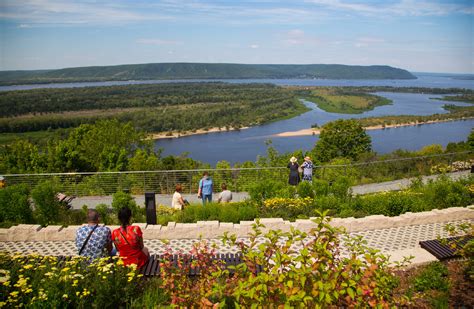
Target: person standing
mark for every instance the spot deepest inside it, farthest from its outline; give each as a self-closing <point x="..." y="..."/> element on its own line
<point x="128" y="240"/>
<point x="225" y="196"/>
<point x="92" y="240"/>
<point x="307" y="167"/>
<point x="294" y="177"/>
<point x="205" y="188"/>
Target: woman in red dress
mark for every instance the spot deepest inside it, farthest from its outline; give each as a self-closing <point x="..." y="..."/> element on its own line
<point x="129" y="240"/>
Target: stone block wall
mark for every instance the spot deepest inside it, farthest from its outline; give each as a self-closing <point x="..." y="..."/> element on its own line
<point x="213" y="229"/>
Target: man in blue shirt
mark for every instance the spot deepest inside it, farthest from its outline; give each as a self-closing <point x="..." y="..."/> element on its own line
<point x="99" y="243"/>
<point x="205" y="188"/>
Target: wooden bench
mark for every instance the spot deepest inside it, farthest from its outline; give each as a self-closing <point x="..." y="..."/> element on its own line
<point x="443" y="249"/>
<point x="152" y="268"/>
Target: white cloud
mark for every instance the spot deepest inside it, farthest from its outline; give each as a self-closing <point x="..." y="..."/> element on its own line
<point x="401" y="8"/>
<point x="158" y="42"/>
<point x="72" y="12"/>
<point x="254" y="46"/>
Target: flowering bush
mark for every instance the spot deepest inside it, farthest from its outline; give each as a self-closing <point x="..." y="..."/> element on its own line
<point x="453" y="167"/>
<point x="40" y="281"/>
<point x="287" y="207"/>
<point x="315" y="275"/>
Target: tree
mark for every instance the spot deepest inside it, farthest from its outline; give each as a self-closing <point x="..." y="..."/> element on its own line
<point x="342" y="138"/>
<point x="470" y="140"/>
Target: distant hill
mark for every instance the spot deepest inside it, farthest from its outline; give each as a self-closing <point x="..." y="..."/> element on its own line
<point x="204" y="71"/>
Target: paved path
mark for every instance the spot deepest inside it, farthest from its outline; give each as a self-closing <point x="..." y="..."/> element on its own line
<point x="165" y="199"/>
<point x="396" y="242"/>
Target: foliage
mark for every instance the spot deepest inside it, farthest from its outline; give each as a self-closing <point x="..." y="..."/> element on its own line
<point x="263" y="190"/>
<point x="121" y="199"/>
<point x="15" y="205"/>
<point x="433" y="277"/>
<point x="466" y="251"/>
<point x="151" y="107"/>
<point x="41" y="282"/>
<point x="342" y="138"/>
<point x="432" y="282"/>
<point x="226" y="212"/>
<point x="344" y="100"/>
<point x="47" y="207"/>
<point x="203" y="71"/>
<point x="287" y="208"/>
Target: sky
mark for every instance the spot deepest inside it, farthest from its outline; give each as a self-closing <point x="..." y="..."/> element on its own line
<point x="419" y="36"/>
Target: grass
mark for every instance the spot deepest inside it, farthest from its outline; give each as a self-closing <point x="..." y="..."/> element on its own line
<point x="335" y="100"/>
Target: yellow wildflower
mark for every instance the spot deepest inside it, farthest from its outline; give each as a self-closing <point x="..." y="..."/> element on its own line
<point x="14" y="294"/>
<point x="29" y="266"/>
<point x="65" y="296"/>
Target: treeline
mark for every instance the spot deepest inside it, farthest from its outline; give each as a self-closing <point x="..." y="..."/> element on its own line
<point x="108" y="145"/>
<point x="455" y="112"/>
<point x="369" y="89"/>
<point x="162" y="71"/>
<point x="152" y="108"/>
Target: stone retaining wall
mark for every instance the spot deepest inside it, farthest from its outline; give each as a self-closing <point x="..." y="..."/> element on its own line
<point x="213" y="229"/>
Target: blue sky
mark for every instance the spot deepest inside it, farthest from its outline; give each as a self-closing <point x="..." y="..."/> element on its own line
<point x="420" y="36"/>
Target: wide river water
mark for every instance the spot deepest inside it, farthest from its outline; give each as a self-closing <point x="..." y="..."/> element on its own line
<point x="246" y="145"/>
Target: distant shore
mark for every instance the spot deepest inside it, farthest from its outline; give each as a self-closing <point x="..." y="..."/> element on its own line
<point x="163" y="135"/>
<point x="312" y="131"/>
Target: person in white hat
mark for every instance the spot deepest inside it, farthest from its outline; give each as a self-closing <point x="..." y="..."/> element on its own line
<point x="307" y="167"/>
<point x="294" y="177"/>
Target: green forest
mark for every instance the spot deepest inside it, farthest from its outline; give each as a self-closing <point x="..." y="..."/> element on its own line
<point x="203" y="71"/>
<point x="152" y="108"/>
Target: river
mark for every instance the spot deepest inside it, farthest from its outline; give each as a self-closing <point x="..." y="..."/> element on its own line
<point x="246" y="145"/>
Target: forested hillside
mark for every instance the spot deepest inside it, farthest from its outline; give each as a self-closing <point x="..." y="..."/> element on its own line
<point x="203" y="71"/>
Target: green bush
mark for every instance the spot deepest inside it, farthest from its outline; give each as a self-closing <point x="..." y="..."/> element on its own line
<point x="48" y="210"/>
<point x="15" y="206"/>
<point x="433" y="277"/>
<point x="315" y="276"/>
<point x="227" y="212"/>
<point x="320" y="187"/>
<point x="341" y="187"/>
<point x="121" y="199"/>
<point x="105" y="214"/>
<point x="305" y="189"/>
<point x="263" y="190"/>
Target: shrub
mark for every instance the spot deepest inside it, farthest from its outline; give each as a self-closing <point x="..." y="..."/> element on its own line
<point x="47" y="207"/>
<point x="264" y="190"/>
<point x="320" y="187"/>
<point x="105" y="214"/>
<point x="314" y="276"/>
<point x="433" y="277"/>
<point x="287" y="208"/>
<point x="14" y="205"/>
<point x="341" y="187"/>
<point x="122" y="199"/>
<point x="227" y="212"/>
<point x="305" y="189"/>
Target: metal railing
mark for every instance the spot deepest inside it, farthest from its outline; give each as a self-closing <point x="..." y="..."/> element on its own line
<point x="237" y="179"/>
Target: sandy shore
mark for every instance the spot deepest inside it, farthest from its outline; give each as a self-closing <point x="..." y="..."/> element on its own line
<point x="312" y="131"/>
<point x="188" y="133"/>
